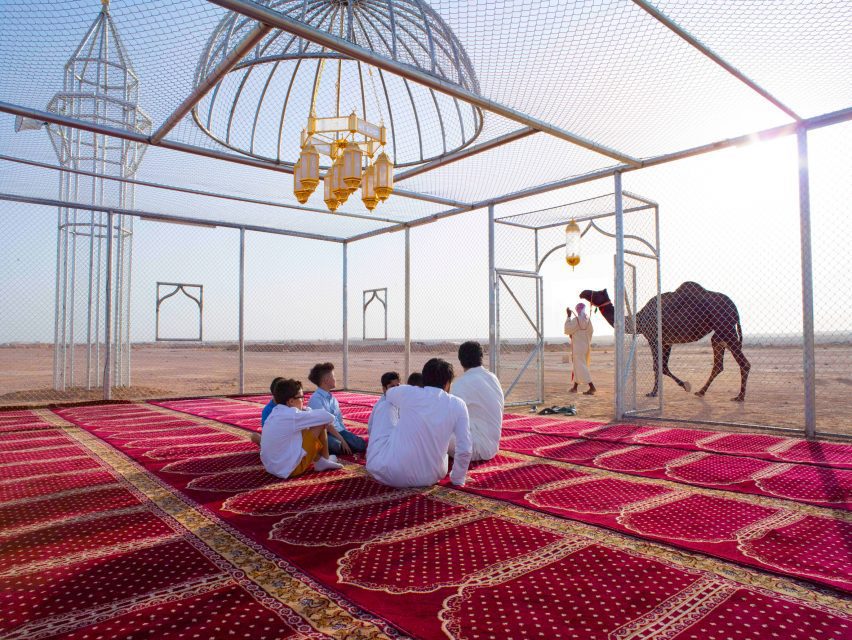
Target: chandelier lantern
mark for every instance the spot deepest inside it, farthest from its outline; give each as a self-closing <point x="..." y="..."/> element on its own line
<point x="384" y="177"/>
<point x="309" y="159"/>
<point x="330" y="200"/>
<point x="368" y="188"/>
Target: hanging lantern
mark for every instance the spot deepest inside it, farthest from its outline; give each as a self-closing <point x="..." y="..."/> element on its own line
<point x="330" y="201"/>
<point x="384" y="177"/>
<point x="299" y="190"/>
<point x="368" y="188"/>
<point x="309" y="159"/>
<point x="338" y="187"/>
<point x="572" y="244"/>
<point x="352" y="158"/>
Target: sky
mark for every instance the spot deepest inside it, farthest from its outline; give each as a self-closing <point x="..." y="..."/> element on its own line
<point x="729" y="220"/>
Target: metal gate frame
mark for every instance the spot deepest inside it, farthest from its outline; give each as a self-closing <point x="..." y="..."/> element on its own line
<point x="537" y="354"/>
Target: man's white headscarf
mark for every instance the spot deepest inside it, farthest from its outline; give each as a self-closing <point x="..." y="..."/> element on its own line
<point x="581" y="314"/>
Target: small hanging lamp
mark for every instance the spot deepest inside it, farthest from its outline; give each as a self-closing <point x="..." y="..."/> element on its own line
<point x="384" y="177"/>
<point x="301" y="192"/>
<point x="330" y="201"/>
<point x="309" y="159"/>
<point x="572" y="244"/>
<point x="338" y="186"/>
<point x="352" y="159"/>
<point x="368" y="188"/>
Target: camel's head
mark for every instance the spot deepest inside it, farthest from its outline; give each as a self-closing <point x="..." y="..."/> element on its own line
<point x="596" y="298"/>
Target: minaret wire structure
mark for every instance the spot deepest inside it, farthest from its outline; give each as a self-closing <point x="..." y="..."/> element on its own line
<point x="99" y="86"/>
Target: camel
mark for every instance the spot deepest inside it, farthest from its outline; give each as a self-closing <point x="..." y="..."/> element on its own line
<point x="688" y="314"/>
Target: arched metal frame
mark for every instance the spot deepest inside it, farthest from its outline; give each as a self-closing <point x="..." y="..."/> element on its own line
<point x="181" y="287"/>
<point x="285" y="66"/>
<point x="379" y="296"/>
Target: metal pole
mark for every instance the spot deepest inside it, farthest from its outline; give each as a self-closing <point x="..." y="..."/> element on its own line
<point x="465" y="153"/>
<point x="56" y="314"/>
<point x="659" y="346"/>
<point x="807" y="286"/>
<point x="242" y="48"/>
<point x="540" y="305"/>
<point x="712" y="55"/>
<point x="407" y="366"/>
<point x="242" y="310"/>
<point x="345" y="318"/>
<point x="108" y="312"/>
<point x="619" y="297"/>
<point x="492" y="295"/>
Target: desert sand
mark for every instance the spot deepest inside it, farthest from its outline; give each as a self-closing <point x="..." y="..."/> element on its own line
<point x="775" y="394"/>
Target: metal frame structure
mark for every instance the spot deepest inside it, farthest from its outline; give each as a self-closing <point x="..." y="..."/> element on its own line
<point x="180" y="287"/>
<point x="263" y="18"/>
<point x="651" y="250"/>
<point x="380" y="295"/>
<point x="101" y="87"/>
<point x="537" y="353"/>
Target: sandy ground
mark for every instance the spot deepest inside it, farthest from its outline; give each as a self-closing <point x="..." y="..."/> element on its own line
<point x="774" y="392"/>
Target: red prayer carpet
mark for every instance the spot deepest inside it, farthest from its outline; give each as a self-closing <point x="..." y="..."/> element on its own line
<point x="143" y="522"/>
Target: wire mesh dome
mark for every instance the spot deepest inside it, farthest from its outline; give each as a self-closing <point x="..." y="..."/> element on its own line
<point x="261" y="106"/>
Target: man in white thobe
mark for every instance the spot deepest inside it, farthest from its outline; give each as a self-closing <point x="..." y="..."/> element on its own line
<point x="482" y="393"/>
<point x="581" y="331"/>
<point x="410" y="450"/>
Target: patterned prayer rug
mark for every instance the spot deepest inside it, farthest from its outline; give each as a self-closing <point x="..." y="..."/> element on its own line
<point x="93" y="546"/>
<point x="439" y="562"/>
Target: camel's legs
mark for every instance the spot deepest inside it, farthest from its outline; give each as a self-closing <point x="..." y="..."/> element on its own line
<point x="653" y="345"/>
<point x="718" y="362"/>
<point x="667" y="352"/>
<point x="736" y="348"/>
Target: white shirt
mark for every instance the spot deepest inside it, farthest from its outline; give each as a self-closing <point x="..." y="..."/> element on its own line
<point x="281" y="438"/>
<point x="373" y="412"/>
<point x="482" y="393"/>
<point x="413" y="452"/>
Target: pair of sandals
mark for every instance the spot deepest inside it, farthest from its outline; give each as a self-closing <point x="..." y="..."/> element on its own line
<point x="570" y="410"/>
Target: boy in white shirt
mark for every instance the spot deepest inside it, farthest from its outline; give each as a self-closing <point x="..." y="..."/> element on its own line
<point x="482" y="393"/>
<point x="294" y="440"/>
<point x="411" y="451"/>
<point x="389" y="380"/>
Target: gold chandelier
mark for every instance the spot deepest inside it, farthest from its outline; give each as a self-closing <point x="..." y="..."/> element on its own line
<point x="356" y="150"/>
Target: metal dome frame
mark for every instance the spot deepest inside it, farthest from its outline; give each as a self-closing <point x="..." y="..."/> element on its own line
<point x="407" y="31"/>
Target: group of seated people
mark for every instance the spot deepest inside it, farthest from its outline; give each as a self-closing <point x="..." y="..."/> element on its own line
<point x="413" y="428"/>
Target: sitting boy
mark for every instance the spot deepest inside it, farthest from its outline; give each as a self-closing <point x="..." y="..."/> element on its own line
<point x="294" y="440"/>
<point x="388" y="380"/>
<point x="415" y="379"/>
<point x="340" y="440"/>
<point x="271" y="404"/>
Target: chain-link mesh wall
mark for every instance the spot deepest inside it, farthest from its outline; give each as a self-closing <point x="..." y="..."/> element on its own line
<point x="735" y="236"/>
<point x="28" y="264"/>
<point x="449" y="292"/>
<point x="293" y="301"/>
<point x="830" y="163"/>
<point x="178" y="364"/>
<point x="375" y="264"/>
